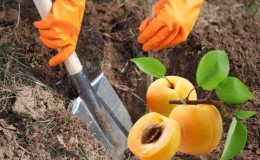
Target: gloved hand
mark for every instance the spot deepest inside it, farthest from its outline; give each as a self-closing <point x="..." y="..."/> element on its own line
<point x="61" y="27"/>
<point x="172" y="22"/>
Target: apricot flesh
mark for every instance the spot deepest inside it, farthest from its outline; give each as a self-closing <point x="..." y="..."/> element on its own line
<point x="154" y="147"/>
<point x="160" y="92"/>
<point x="201" y="127"/>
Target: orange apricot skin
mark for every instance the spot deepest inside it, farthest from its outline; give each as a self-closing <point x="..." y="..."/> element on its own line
<point x="160" y="93"/>
<point x="201" y="127"/>
<point x="164" y="148"/>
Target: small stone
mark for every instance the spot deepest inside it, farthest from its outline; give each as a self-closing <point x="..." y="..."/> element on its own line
<point x="2" y="15"/>
<point x="258" y="151"/>
<point x="12" y="15"/>
<point x="250" y="146"/>
<point x="88" y="64"/>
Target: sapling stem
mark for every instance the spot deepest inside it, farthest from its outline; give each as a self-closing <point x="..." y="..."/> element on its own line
<point x="210" y="94"/>
<point x="150" y="53"/>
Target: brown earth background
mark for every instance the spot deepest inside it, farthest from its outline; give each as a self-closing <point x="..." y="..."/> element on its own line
<point x="34" y="123"/>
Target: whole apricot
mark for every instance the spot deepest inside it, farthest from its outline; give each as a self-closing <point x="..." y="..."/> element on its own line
<point x="201" y="127"/>
<point x="162" y="90"/>
<point x="154" y="137"/>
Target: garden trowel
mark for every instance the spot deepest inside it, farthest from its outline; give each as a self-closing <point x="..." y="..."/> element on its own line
<point x="98" y="103"/>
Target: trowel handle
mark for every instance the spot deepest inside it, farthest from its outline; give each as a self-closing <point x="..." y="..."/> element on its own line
<point x="72" y="64"/>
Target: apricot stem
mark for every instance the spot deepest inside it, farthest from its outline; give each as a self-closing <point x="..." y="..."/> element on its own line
<point x="200" y="101"/>
<point x="190" y="92"/>
<point x="171" y="84"/>
<point x="151" y="133"/>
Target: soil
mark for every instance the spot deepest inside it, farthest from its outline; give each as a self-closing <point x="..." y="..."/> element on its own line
<point x="42" y="129"/>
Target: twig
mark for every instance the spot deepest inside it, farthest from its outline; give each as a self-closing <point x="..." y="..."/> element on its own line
<point x="18" y="18"/>
<point x="19" y="62"/>
<point x="47" y="121"/>
<point x="25" y="150"/>
<point x="138" y="97"/>
<point x="17" y="23"/>
<point x="138" y="73"/>
<point x="194" y="102"/>
<point x="210" y="94"/>
<point x="5" y="98"/>
<point x="123" y="88"/>
<point x="105" y="34"/>
<point x="123" y="70"/>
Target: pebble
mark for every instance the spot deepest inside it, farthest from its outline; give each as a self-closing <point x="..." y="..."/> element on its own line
<point x="250" y="146"/>
<point x="258" y="151"/>
<point x="88" y="64"/>
<point x="2" y="15"/>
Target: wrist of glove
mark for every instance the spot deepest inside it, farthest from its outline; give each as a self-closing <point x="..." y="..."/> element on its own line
<point x="61" y="27"/>
<point x="172" y="22"/>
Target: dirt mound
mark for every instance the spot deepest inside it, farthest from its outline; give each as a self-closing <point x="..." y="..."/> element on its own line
<point x="34" y="102"/>
<point x="38" y="127"/>
<point x="58" y="136"/>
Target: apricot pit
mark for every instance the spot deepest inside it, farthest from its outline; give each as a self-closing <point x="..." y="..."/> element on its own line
<point x="151" y="133"/>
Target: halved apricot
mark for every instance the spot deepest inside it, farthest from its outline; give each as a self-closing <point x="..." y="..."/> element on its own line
<point x="154" y="137"/>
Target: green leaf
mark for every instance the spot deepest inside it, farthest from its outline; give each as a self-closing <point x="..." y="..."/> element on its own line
<point x="213" y="69"/>
<point x="151" y="66"/>
<point x="233" y="91"/>
<point x="243" y="114"/>
<point x="236" y="140"/>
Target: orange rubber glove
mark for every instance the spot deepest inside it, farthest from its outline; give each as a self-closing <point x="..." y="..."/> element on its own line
<point x="172" y="22"/>
<point x="61" y="27"/>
